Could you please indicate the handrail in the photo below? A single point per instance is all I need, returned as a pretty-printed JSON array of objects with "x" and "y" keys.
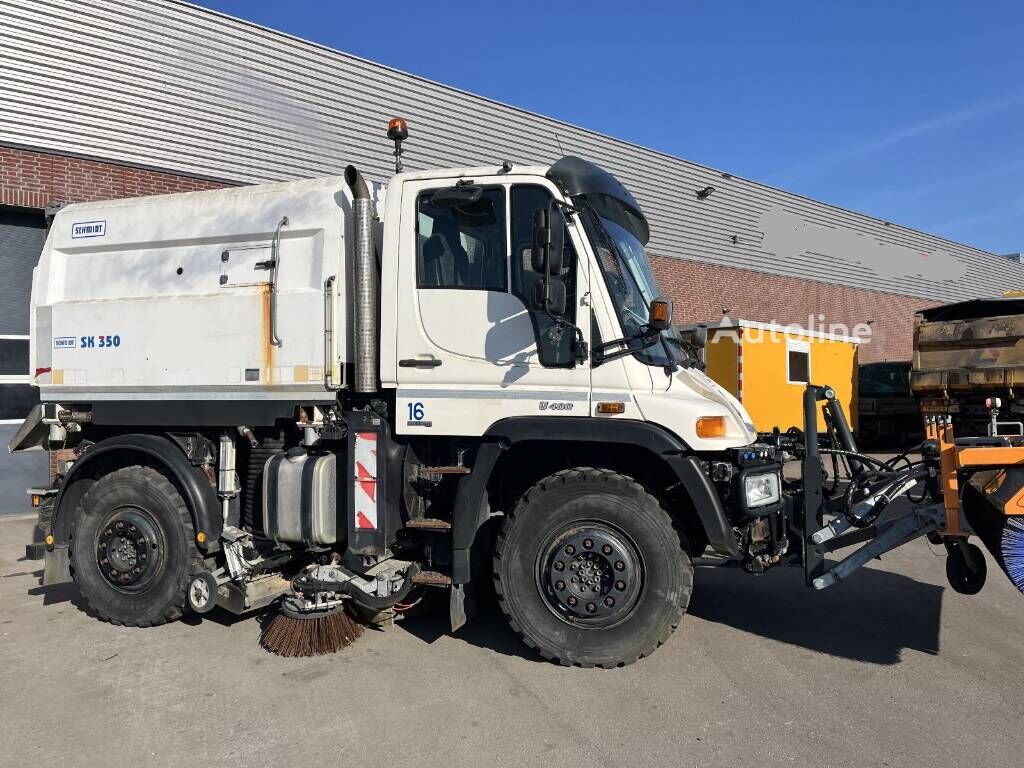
[
  {"x": 275, "y": 250},
  {"x": 329, "y": 356}
]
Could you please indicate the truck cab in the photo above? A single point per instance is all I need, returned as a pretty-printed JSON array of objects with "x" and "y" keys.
[
  {"x": 336, "y": 394},
  {"x": 467, "y": 327}
]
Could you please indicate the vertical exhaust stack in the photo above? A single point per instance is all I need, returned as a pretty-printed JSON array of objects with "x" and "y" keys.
[{"x": 365, "y": 294}]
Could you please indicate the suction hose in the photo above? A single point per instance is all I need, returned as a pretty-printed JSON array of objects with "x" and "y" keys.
[{"x": 365, "y": 285}]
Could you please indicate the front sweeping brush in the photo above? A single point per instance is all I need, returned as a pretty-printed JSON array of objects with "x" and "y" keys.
[
  {"x": 1012, "y": 548},
  {"x": 295, "y": 631},
  {"x": 985, "y": 506}
]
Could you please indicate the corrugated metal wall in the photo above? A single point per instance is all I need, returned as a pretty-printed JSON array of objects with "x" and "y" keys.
[{"x": 172, "y": 86}]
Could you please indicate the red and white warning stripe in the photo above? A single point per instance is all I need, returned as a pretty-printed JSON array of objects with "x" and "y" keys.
[
  {"x": 739, "y": 370},
  {"x": 366, "y": 480}
]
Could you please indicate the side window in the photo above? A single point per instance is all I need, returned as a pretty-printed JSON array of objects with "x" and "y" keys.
[
  {"x": 464, "y": 246},
  {"x": 798, "y": 361},
  {"x": 555, "y": 342}
]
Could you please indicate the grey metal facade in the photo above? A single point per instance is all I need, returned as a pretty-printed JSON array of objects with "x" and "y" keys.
[
  {"x": 168, "y": 85},
  {"x": 21, "y": 239}
]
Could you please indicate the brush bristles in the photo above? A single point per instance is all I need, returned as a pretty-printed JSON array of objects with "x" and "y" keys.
[
  {"x": 288, "y": 636},
  {"x": 1012, "y": 548}
]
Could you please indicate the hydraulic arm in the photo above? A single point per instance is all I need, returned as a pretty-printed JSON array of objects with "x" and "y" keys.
[{"x": 972, "y": 486}]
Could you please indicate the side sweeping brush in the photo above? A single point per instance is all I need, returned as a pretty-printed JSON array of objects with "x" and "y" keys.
[
  {"x": 295, "y": 631},
  {"x": 1012, "y": 549}
]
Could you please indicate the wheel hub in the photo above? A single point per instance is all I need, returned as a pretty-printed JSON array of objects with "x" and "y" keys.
[
  {"x": 199, "y": 592},
  {"x": 128, "y": 552},
  {"x": 590, "y": 575}
]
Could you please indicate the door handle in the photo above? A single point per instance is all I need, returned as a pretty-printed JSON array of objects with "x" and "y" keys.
[{"x": 415, "y": 362}]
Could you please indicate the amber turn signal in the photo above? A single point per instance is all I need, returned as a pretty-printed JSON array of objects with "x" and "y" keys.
[
  {"x": 201, "y": 537},
  {"x": 660, "y": 314},
  {"x": 659, "y": 311},
  {"x": 49, "y": 539},
  {"x": 614, "y": 407},
  {"x": 37, "y": 500},
  {"x": 711, "y": 426}
]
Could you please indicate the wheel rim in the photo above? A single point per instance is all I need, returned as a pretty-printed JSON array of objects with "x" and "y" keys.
[
  {"x": 199, "y": 592},
  {"x": 129, "y": 549},
  {"x": 590, "y": 575}
]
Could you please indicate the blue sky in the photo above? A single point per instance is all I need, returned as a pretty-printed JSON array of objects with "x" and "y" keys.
[{"x": 909, "y": 111}]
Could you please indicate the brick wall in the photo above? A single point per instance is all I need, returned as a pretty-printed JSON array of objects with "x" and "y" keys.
[
  {"x": 700, "y": 291},
  {"x": 35, "y": 179}
]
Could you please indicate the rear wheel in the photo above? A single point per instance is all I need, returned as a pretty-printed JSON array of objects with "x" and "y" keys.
[
  {"x": 132, "y": 550},
  {"x": 590, "y": 570}
]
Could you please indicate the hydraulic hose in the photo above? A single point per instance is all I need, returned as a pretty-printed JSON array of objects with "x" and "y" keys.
[{"x": 883, "y": 493}]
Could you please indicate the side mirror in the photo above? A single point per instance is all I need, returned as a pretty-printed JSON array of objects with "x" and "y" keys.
[
  {"x": 451, "y": 197},
  {"x": 660, "y": 314},
  {"x": 549, "y": 296},
  {"x": 548, "y": 240}
]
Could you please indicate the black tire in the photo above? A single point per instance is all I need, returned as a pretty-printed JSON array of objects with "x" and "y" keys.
[
  {"x": 134, "y": 522},
  {"x": 615, "y": 514},
  {"x": 966, "y": 569}
]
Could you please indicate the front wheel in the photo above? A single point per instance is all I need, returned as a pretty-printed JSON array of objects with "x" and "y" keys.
[{"x": 590, "y": 570}]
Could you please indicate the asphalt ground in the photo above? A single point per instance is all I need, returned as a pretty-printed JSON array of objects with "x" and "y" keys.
[{"x": 891, "y": 668}]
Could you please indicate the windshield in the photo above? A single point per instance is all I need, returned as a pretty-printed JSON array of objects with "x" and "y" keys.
[
  {"x": 884, "y": 380},
  {"x": 627, "y": 273}
]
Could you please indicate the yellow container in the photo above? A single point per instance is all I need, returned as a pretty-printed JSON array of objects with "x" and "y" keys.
[{"x": 767, "y": 368}]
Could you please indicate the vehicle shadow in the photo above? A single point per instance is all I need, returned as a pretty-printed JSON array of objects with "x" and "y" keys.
[
  {"x": 486, "y": 628},
  {"x": 58, "y": 593},
  {"x": 870, "y": 618},
  {"x": 69, "y": 593}
]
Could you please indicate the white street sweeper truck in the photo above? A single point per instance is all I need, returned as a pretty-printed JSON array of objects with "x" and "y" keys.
[{"x": 331, "y": 396}]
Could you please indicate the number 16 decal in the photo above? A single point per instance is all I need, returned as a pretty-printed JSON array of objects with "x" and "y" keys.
[{"x": 416, "y": 412}]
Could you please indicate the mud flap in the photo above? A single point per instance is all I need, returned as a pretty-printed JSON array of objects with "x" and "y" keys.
[
  {"x": 457, "y": 606},
  {"x": 57, "y": 566}
]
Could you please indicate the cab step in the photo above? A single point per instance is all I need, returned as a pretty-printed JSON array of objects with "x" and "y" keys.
[
  {"x": 429, "y": 524},
  {"x": 432, "y": 579},
  {"x": 447, "y": 470}
]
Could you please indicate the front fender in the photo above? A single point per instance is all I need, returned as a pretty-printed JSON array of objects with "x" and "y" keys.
[{"x": 470, "y": 510}]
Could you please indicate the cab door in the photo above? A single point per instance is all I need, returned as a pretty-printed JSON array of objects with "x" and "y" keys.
[{"x": 470, "y": 349}]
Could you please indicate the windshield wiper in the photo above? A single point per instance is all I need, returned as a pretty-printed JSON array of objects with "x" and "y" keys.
[{"x": 691, "y": 354}]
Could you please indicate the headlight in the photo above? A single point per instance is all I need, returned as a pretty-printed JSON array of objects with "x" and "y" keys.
[{"x": 762, "y": 490}]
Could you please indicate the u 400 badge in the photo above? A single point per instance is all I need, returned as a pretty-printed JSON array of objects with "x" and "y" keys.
[{"x": 546, "y": 405}]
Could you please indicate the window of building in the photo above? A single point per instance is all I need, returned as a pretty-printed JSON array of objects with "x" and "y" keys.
[
  {"x": 463, "y": 246},
  {"x": 798, "y": 361},
  {"x": 13, "y": 357},
  {"x": 555, "y": 342},
  {"x": 17, "y": 396}
]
